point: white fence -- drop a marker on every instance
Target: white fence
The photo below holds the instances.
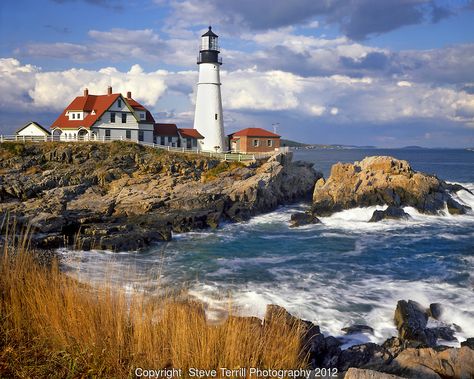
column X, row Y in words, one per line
column 227, row 156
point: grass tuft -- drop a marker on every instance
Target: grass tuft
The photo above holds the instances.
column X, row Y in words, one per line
column 52, row 326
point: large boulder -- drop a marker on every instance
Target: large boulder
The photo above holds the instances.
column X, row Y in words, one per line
column 357, row 373
column 411, row 320
column 383, row 180
column 429, row 363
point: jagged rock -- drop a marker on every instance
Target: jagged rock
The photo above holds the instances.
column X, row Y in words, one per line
column 382, row 180
column 468, row 343
column 435, row 310
column 124, row 196
column 391, row 213
column 444, row 333
column 303, row 218
column 358, row 328
column 411, row 320
column 429, row 363
column 357, row 373
column 367, row 355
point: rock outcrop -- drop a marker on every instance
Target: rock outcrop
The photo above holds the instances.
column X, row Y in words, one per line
column 383, row 180
column 395, row 358
column 357, row 373
column 429, row 363
column 303, row 218
column 391, row 213
column 123, row 196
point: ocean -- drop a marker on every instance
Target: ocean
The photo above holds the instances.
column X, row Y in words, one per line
column 342, row 272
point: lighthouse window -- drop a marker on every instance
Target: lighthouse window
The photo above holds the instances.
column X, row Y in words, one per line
column 215, row 116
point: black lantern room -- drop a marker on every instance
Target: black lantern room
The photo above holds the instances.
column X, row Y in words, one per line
column 209, row 51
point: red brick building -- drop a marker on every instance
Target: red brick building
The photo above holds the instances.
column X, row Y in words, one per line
column 254, row 140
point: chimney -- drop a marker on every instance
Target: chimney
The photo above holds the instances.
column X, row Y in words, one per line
column 129, row 95
column 109, row 90
column 86, row 92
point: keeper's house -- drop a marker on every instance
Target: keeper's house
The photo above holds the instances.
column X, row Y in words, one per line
column 254, row 140
column 104, row 117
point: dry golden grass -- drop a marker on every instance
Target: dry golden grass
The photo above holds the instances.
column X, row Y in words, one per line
column 51, row 326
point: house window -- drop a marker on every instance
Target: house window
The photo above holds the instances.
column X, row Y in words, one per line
column 128, row 134
column 170, row 139
column 73, row 115
column 107, row 132
column 112, row 117
column 269, row 143
column 124, row 118
column 120, row 103
column 215, row 116
column 256, row 143
column 140, row 135
column 162, row 140
column 142, row 116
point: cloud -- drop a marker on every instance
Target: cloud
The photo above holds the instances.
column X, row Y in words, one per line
column 27, row 87
column 253, row 90
column 110, row 4
column 357, row 19
column 250, row 95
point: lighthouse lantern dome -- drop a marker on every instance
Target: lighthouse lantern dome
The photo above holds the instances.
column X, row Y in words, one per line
column 209, row 41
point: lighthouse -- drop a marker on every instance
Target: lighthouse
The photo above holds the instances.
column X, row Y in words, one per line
column 208, row 118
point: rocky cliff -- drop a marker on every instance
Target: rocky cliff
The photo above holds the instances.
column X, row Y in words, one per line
column 123, row 196
column 383, row 180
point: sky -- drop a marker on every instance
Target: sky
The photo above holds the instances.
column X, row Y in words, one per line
column 387, row 73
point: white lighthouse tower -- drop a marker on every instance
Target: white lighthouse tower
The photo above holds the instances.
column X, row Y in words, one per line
column 208, row 118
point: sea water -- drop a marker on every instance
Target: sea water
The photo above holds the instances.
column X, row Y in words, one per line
column 341, row 272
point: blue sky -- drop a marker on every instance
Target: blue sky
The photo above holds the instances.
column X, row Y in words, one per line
column 366, row 72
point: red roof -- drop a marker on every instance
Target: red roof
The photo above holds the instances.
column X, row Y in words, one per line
column 254, row 132
column 190, row 133
column 166, row 130
column 97, row 103
column 137, row 106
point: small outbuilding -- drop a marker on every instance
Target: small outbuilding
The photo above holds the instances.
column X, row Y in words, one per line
column 171, row 135
column 33, row 130
column 254, row 140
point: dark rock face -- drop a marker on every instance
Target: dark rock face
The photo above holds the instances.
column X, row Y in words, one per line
column 468, row 343
column 123, row 196
column 379, row 181
column 303, row 218
column 435, row 310
column 391, row 213
column 411, row 321
column 366, row 355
